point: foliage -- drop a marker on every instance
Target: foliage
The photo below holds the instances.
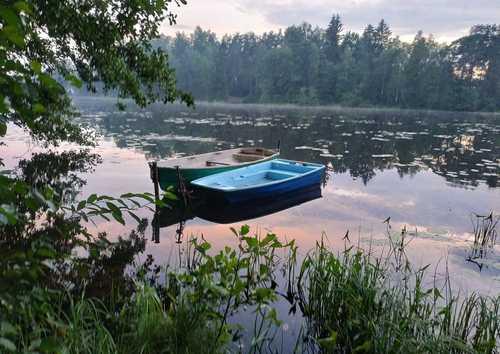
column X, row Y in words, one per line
column 43, row 43
column 351, row 306
column 112, row 312
column 309, row 65
column 66, row 290
column 477, row 60
column 350, row 303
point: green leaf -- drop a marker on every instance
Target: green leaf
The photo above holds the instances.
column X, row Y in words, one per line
column 160, row 203
column 245, row 229
column 147, row 197
column 7, row 344
column 267, row 239
column 35, row 344
column 273, row 316
column 81, row 205
column 118, row 217
column 170, row 195
column 263, row 294
column 8, row 217
column 104, row 197
column 46, row 252
column 136, row 218
column 10, row 17
column 116, row 212
column 73, row 80
column 48, row 81
column 203, row 247
column 13, row 35
column 263, row 269
column 49, row 345
column 92, row 198
column 112, row 207
column 7, row 328
column 329, row 343
column 38, row 108
column 36, row 67
column 363, row 348
column 23, row 6
column 3, row 129
column 3, row 105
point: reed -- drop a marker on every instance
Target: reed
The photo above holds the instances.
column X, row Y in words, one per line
column 485, row 235
column 348, row 302
column 351, row 304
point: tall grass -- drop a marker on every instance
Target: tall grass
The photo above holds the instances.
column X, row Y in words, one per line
column 349, row 302
column 351, row 306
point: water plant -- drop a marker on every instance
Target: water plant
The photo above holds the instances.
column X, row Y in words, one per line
column 352, row 304
column 485, row 235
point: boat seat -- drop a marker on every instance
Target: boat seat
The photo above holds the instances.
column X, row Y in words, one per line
column 247, row 157
column 270, row 174
column 221, row 186
column 296, row 167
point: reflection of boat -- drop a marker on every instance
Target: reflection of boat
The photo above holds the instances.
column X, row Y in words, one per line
column 198, row 166
column 173, row 214
column 261, row 180
column 228, row 213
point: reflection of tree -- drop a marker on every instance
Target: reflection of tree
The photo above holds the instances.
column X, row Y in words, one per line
column 58, row 170
column 74, row 255
column 59, row 247
column 360, row 142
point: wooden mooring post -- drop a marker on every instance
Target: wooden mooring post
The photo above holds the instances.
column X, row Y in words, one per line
column 153, row 169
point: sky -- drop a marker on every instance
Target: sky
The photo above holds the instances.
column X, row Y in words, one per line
column 445, row 19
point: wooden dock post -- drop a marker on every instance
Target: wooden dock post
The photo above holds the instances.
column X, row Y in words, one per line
column 153, row 169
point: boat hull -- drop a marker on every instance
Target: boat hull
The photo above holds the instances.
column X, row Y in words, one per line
column 167, row 176
column 271, row 190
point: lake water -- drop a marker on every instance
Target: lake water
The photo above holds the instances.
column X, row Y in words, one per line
column 427, row 171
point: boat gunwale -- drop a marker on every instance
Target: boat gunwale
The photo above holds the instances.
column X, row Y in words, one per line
column 243, row 164
column 318, row 168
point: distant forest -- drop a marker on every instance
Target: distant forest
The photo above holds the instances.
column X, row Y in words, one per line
column 307, row 65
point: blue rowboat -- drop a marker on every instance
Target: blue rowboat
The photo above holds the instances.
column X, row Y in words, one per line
column 262, row 180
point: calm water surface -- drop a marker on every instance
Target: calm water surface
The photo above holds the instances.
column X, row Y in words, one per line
column 428, row 171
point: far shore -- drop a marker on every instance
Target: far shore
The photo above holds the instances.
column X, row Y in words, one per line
column 292, row 106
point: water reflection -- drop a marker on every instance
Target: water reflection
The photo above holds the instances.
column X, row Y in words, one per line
column 61, row 242
column 61, row 171
column 224, row 213
column 406, row 165
column 462, row 148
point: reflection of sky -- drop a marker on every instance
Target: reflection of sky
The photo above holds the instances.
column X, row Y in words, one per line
column 425, row 201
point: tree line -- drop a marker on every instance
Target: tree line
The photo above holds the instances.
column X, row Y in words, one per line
column 310, row 65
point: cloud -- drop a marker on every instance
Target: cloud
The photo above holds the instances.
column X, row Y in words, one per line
column 220, row 16
column 443, row 18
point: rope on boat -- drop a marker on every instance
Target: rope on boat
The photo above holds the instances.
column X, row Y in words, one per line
column 181, row 187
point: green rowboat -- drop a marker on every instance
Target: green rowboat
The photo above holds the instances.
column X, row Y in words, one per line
column 198, row 166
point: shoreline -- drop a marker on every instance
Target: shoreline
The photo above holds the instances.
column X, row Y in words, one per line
column 293, row 106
